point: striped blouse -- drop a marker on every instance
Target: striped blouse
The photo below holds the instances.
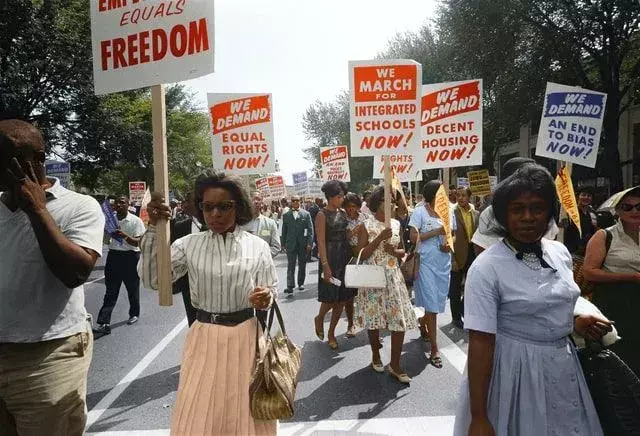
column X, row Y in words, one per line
column 222, row 273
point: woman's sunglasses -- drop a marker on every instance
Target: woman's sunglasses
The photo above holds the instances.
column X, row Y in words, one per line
column 626, row 207
column 223, row 206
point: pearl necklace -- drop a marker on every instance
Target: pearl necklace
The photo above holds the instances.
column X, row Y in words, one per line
column 530, row 260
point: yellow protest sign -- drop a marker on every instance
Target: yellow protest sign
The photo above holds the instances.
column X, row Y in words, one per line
column 479, row 182
column 443, row 211
column 564, row 188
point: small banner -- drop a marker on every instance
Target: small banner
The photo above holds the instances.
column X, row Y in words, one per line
column 564, row 188
column 444, row 212
column 272, row 187
column 402, row 165
column 136, row 192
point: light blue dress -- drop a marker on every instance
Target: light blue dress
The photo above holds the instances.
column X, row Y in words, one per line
column 432, row 284
column 537, row 387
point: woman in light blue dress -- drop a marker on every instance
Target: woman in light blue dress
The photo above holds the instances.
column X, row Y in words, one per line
column 523, row 375
column 432, row 284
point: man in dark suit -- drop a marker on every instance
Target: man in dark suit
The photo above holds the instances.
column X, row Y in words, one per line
column 186, row 224
column 463, row 252
column 297, row 240
column 313, row 211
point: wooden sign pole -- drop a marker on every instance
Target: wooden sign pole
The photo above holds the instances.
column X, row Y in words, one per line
column 446, row 177
column 387, row 191
column 161, row 185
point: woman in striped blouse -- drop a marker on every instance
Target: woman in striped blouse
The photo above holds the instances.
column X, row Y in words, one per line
column 231, row 273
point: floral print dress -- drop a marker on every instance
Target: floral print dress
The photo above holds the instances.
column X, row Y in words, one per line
column 389, row 308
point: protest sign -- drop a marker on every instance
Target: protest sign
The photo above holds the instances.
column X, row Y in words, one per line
column 315, row 188
column 242, row 133
column 136, row 192
column 571, row 124
column 300, row 177
column 564, row 188
column 300, row 184
column 59, row 170
column 335, row 163
column 443, row 210
column 110, row 222
column 493, row 181
column 451, row 124
column 479, row 182
column 384, row 107
column 272, row 187
column 144, row 213
column 402, row 165
column 138, row 44
column 462, row 182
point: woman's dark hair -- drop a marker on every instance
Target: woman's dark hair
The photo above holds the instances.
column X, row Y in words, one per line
column 430, row 189
column 333, row 188
column 230, row 184
column 531, row 178
column 376, row 199
column 352, row 198
column 586, row 190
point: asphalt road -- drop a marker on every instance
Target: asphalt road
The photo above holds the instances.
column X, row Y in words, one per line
column 134, row 375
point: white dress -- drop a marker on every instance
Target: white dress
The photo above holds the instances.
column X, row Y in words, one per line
column 537, row 387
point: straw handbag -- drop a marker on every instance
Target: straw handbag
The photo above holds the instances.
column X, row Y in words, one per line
column 273, row 385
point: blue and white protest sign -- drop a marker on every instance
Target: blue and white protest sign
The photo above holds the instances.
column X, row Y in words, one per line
column 571, row 124
column 110, row 221
column 59, row 170
column 299, row 177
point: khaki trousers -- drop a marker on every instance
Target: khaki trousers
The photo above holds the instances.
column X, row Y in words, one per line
column 43, row 386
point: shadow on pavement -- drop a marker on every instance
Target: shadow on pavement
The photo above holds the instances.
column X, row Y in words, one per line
column 454, row 333
column 139, row 392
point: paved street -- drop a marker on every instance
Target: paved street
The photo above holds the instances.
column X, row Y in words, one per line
column 134, row 375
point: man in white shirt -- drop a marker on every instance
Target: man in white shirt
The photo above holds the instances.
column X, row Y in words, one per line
column 51, row 239
column 121, row 266
column 263, row 227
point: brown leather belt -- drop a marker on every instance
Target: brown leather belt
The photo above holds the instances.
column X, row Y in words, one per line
column 226, row 319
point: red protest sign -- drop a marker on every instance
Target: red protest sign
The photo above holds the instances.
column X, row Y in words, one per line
column 384, row 107
column 137, row 44
column 335, row 163
column 271, row 187
column 451, row 124
column 242, row 133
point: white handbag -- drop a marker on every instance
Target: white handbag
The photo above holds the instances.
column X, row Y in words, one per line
column 364, row 276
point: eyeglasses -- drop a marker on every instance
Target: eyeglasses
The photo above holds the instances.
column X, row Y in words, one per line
column 223, row 206
column 626, row 207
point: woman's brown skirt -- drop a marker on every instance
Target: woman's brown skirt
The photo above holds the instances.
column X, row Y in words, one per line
column 213, row 395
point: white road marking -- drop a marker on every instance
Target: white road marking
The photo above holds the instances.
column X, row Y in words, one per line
column 421, row 425
column 93, row 281
column 108, row 400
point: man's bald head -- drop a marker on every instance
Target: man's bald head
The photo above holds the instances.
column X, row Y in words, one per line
column 21, row 140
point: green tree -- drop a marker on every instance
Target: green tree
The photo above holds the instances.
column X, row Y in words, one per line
column 327, row 124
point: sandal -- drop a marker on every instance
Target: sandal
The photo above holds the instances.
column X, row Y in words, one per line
column 320, row 331
column 351, row 332
column 377, row 367
column 402, row 378
column 436, row 361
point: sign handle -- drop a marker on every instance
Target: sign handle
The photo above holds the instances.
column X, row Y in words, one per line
column 387, row 191
column 161, row 185
column 446, row 179
column 563, row 213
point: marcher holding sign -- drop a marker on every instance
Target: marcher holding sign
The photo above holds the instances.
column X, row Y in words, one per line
column 384, row 107
column 242, row 133
column 571, row 124
column 432, row 236
column 451, row 124
column 335, row 163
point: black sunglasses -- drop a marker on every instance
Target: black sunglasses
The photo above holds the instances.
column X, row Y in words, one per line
column 626, row 207
column 223, row 206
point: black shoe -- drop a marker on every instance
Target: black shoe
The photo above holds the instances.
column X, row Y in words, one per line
column 132, row 320
column 288, row 291
column 103, row 329
column 300, row 288
column 458, row 323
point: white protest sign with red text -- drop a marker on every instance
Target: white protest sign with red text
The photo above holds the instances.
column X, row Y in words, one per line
column 242, row 133
column 402, row 165
column 451, row 124
column 136, row 192
column 384, row 107
column 142, row 43
column 335, row 163
column 272, row 187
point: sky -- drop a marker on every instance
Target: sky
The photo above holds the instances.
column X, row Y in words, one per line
column 298, row 51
